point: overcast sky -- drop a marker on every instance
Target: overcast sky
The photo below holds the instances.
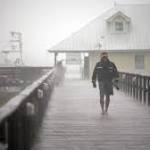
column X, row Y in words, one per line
column 44, row 23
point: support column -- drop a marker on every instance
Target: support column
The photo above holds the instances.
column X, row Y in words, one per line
column 55, row 57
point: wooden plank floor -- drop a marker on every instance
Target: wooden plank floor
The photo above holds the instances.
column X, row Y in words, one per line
column 73, row 121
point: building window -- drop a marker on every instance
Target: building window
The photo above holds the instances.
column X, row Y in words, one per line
column 119, row 26
column 139, row 62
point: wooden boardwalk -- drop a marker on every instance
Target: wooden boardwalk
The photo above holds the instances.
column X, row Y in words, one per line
column 73, row 121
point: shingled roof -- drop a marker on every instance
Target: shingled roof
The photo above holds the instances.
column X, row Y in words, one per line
column 95, row 35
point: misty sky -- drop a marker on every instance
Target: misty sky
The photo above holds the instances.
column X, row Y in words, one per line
column 44, row 23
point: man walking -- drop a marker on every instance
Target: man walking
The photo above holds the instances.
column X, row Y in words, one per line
column 105, row 71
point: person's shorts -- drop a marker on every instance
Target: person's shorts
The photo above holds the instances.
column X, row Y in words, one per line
column 106, row 87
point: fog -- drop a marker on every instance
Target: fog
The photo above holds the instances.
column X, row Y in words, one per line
column 44, row 23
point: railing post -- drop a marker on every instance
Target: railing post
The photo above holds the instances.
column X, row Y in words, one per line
column 144, row 90
column 15, row 132
column 140, row 88
column 4, row 135
column 136, row 87
column 130, row 84
column 148, row 91
column 127, row 84
column 124, row 82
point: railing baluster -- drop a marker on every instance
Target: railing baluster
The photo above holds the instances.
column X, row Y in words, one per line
column 144, row 90
column 148, row 91
column 137, row 86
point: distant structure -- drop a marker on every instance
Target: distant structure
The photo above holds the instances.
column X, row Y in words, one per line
column 12, row 53
column 122, row 31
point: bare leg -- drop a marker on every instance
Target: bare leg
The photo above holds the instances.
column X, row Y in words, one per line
column 107, row 102
column 102, row 103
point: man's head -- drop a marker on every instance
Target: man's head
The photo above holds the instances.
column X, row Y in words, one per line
column 104, row 56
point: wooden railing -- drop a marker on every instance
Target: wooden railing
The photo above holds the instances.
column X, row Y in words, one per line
column 135, row 85
column 21, row 117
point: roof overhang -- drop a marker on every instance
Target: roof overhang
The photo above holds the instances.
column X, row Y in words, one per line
column 90, row 51
column 71, row 51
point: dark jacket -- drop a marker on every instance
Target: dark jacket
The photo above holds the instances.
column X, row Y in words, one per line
column 105, row 71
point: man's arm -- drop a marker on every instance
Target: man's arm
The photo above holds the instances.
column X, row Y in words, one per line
column 115, row 71
column 94, row 76
column 115, row 77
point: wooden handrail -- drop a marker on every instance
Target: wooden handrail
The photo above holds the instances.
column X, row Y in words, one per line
column 21, row 116
column 16, row 101
column 136, row 85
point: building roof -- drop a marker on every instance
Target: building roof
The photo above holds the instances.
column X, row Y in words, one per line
column 95, row 36
column 118, row 13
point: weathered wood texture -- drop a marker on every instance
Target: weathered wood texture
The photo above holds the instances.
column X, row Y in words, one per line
column 74, row 121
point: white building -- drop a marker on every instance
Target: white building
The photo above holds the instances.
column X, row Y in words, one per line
column 123, row 31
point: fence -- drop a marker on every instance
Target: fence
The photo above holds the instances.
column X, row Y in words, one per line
column 21, row 117
column 135, row 85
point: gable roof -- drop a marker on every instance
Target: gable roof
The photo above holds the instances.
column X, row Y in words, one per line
column 94, row 34
column 118, row 13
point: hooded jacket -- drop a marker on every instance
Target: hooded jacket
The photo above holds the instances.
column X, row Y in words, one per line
column 105, row 71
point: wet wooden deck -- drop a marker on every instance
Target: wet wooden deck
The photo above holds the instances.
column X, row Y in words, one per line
column 73, row 121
